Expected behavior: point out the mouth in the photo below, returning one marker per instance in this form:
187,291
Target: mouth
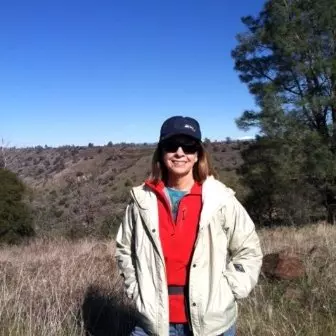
179,163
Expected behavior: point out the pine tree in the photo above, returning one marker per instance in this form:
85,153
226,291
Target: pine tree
287,57
289,52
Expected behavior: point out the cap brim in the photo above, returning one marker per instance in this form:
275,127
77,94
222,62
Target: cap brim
186,132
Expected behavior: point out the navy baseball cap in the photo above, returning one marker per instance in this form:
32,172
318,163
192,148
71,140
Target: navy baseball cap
179,125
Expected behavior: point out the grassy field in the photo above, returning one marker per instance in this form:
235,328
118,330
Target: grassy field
62,288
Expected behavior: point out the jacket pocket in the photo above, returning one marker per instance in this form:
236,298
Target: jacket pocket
221,309
221,301
238,281
227,288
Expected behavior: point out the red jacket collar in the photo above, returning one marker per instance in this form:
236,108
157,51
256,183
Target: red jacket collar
159,186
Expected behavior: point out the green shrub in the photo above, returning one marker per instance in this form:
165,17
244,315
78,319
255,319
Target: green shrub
15,216
128,183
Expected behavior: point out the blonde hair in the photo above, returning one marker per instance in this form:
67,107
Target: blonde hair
201,170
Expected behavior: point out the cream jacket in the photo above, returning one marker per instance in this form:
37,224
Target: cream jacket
225,265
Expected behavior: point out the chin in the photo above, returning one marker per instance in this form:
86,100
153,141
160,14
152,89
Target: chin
179,172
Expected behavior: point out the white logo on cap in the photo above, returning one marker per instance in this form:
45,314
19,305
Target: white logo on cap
189,126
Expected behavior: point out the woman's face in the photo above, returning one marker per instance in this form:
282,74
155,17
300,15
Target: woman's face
180,153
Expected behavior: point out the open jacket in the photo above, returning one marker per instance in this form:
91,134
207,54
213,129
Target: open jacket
225,265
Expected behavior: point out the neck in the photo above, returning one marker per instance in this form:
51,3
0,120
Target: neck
181,182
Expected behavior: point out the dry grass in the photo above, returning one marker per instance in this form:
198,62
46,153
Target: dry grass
305,307
44,287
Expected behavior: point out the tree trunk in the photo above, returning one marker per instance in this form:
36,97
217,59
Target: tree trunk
331,204
332,214
333,136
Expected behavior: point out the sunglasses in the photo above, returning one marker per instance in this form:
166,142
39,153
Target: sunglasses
189,146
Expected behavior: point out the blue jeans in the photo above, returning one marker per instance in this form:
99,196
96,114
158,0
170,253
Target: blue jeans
177,329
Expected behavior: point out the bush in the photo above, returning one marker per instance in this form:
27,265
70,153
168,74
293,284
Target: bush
288,177
128,183
108,228
15,216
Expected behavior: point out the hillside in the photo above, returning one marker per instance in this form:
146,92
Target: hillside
76,191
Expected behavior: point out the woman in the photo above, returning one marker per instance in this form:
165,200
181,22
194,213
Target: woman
187,249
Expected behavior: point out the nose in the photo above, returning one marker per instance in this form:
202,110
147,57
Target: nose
179,151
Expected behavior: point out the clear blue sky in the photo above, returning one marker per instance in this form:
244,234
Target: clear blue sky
80,71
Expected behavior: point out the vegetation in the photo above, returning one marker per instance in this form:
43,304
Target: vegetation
44,289
287,58
15,216
285,177
81,192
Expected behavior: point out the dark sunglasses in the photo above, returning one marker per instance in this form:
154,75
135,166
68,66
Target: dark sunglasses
189,146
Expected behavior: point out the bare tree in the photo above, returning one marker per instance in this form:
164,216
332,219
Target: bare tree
3,153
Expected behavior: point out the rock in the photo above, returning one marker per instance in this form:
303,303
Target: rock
283,266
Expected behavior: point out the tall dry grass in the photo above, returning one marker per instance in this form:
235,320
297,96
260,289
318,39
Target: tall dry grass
43,286
47,285
304,307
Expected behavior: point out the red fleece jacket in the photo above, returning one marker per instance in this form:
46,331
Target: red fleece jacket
177,239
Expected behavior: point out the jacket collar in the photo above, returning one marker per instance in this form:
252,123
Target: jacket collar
159,187
214,196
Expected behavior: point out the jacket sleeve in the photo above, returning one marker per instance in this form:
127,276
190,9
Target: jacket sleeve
124,252
245,253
